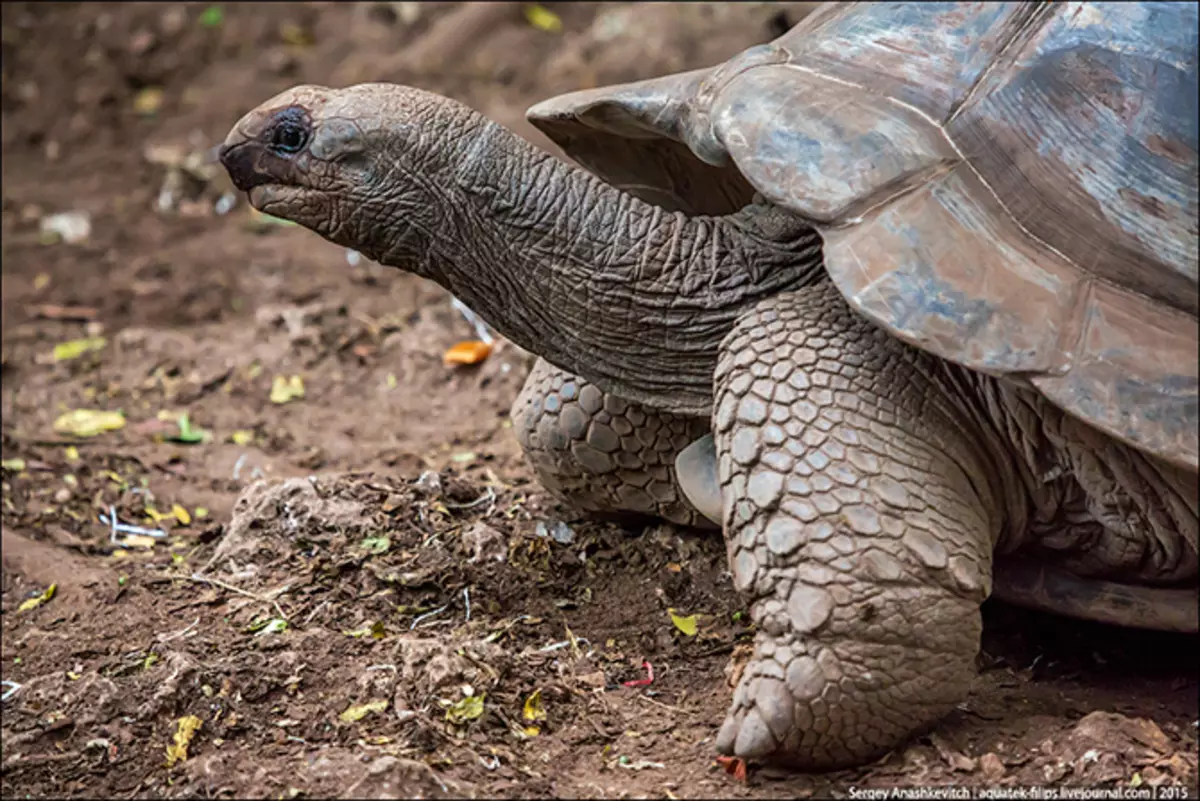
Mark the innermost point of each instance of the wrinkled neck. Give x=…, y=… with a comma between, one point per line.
x=634, y=298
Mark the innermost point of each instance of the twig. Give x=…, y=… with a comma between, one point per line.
x=488, y=495
x=13, y=689
x=419, y=618
x=560, y=645
x=467, y=601
x=218, y=583
x=650, y=700
x=314, y=612
x=168, y=637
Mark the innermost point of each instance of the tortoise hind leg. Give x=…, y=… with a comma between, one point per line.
x=601, y=453
x=859, y=522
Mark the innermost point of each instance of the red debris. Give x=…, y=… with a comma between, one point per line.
x=643, y=682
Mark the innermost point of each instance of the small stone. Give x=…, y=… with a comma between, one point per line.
x=991, y=767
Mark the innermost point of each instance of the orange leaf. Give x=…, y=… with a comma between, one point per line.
x=469, y=352
x=734, y=766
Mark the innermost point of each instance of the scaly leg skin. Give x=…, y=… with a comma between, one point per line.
x=860, y=522
x=603, y=454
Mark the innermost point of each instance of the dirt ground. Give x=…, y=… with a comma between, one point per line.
x=362, y=591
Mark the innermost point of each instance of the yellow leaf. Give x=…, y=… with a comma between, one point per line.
x=185, y=730
x=685, y=624
x=148, y=101
x=286, y=389
x=293, y=34
x=201, y=513
x=391, y=380
x=542, y=18
x=181, y=514
x=533, y=710
x=88, y=422
x=41, y=281
x=531, y=731
x=471, y=351
x=139, y=541
x=375, y=631
x=355, y=713
x=71, y=454
x=72, y=675
x=15, y=465
x=155, y=515
x=34, y=603
x=65, y=351
x=468, y=708
x=241, y=437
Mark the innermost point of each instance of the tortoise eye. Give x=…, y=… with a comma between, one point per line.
x=288, y=137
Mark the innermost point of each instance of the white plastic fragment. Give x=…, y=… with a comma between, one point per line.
x=71, y=227
x=115, y=527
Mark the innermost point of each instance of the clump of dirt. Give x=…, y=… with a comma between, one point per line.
x=356, y=588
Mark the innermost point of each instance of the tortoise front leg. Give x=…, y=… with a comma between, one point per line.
x=600, y=453
x=858, y=520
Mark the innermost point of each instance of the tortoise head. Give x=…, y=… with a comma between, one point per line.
x=340, y=162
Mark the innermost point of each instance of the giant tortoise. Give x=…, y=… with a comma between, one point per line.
x=905, y=301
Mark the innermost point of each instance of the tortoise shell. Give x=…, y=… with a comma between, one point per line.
x=1010, y=186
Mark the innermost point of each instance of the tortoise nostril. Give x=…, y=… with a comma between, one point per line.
x=241, y=162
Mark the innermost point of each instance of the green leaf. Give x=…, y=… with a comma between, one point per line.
x=15, y=465
x=468, y=708
x=212, y=17
x=66, y=351
x=273, y=625
x=189, y=433
x=356, y=713
x=685, y=624
x=376, y=545
x=542, y=18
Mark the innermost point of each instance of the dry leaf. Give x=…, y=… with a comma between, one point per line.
x=148, y=101
x=88, y=422
x=286, y=389
x=533, y=710
x=468, y=708
x=34, y=603
x=356, y=713
x=185, y=730
x=52, y=311
x=472, y=351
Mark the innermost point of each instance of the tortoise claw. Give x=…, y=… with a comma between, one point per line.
x=696, y=471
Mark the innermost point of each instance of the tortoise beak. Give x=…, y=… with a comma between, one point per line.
x=242, y=161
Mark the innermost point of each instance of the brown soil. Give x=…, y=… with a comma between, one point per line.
x=420, y=503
